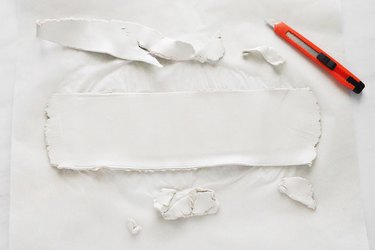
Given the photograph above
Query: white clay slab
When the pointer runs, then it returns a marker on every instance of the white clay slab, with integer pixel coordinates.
(182, 129)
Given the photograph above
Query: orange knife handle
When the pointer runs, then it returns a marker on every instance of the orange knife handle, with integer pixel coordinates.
(321, 58)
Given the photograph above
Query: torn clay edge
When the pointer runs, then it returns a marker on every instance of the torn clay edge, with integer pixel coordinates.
(196, 55)
(130, 169)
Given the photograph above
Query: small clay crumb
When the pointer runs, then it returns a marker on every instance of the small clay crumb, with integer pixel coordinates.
(133, 226)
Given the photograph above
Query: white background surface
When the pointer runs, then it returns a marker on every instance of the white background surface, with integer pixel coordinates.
(359, 41)
(358, 17)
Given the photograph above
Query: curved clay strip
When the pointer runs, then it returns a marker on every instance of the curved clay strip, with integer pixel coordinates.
(125, 40)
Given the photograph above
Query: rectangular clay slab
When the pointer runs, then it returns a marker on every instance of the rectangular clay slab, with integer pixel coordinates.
(176, 130)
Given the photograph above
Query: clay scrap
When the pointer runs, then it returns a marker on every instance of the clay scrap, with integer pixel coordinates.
(174, 204)
(269, 54)
(298, 189)
(133, 226)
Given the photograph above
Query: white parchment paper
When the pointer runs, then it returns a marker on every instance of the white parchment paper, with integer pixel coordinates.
(53, 209)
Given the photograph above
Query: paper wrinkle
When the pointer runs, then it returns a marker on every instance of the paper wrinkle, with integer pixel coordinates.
(175, 204)
(93, 131)
(133, 226)
(269, 54)
(120, 76)
(124, 40)
(298, 189)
